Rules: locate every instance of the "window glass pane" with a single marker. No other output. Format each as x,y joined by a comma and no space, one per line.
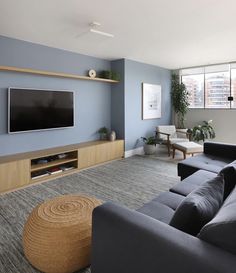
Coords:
217,90
233,87
195,88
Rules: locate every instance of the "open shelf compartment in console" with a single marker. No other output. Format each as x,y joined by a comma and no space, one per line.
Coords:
43,167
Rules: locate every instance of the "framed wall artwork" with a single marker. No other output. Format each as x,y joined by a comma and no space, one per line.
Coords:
151,101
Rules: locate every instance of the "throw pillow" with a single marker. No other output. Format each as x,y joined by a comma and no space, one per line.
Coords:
220,231
199,207
229,173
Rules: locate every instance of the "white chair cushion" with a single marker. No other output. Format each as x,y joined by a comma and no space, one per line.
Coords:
189,147
168,129
177,140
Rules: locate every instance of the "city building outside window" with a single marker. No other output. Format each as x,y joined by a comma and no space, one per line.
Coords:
233,87
195,87
210,86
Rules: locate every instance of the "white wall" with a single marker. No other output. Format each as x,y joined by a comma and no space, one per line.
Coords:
224,122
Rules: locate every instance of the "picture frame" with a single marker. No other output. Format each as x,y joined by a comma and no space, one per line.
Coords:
151,101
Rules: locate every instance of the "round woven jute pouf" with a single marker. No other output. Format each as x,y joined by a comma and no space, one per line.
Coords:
57,234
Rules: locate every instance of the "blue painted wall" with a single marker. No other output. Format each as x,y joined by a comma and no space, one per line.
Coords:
92,99
135,74
117,106
118,100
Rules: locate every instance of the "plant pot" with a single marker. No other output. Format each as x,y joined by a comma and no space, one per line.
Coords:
112,136
149,149
103,136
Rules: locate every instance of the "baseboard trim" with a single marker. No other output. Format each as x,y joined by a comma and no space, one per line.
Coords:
137,151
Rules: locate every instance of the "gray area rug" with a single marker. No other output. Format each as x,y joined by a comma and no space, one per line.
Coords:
130,182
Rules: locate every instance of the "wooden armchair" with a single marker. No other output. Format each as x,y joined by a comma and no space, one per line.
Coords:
170,135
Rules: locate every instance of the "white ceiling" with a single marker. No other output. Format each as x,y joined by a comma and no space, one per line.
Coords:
170,34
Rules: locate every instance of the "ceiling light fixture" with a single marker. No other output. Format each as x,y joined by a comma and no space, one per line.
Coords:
93,30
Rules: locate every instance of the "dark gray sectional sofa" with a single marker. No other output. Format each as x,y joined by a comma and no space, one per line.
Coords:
215,156
189,229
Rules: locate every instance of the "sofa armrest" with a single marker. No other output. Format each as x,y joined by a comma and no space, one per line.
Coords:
220,149
126,241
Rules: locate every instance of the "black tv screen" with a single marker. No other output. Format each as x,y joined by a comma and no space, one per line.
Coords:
35,109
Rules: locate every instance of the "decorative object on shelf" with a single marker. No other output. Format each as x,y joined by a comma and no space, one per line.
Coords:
149,145
202,131
106,74
42,161
111,75
61,156
103,133
115,76
92,73
112,136
57,234
151,101
179,96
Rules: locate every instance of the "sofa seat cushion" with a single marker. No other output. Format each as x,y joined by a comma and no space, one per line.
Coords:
170,199
192,182
229,173
199,207
221,230
201,162
158,211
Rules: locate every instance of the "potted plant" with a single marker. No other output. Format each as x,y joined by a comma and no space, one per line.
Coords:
103,133
202,131
179,96
106,74
149,145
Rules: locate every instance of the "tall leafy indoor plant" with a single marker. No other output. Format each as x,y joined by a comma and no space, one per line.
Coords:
179,96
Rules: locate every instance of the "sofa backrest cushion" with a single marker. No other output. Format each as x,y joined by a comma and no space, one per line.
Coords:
199,207
229,173
221,230
218,149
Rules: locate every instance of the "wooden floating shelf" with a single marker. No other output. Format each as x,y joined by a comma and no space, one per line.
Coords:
53,74
42,166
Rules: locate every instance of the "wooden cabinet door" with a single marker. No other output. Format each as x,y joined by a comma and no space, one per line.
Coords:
99,153
117,149
14,174
109,151
86,157
102,152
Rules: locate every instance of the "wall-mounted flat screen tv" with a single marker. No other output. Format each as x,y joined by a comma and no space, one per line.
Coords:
37,109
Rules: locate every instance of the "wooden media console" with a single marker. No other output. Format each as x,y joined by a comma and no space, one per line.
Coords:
24,169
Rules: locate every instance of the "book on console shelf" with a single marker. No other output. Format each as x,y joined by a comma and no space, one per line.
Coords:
55,170
65,168
37,175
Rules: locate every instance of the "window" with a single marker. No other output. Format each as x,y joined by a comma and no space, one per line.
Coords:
195,87
209,87
217,90
233,87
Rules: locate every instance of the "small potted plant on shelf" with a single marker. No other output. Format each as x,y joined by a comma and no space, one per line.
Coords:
149,145
103,133
108,74
202,131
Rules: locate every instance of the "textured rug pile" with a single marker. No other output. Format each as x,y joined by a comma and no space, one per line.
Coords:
130,182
